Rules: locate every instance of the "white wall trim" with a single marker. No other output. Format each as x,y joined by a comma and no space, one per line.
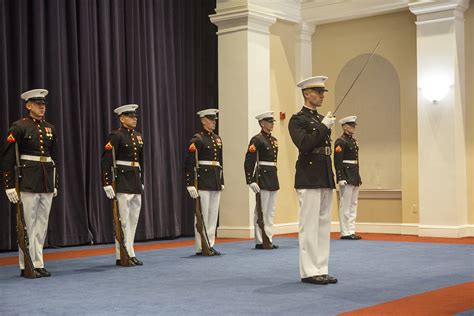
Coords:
381,228
446,231
412,229
235,232
248,231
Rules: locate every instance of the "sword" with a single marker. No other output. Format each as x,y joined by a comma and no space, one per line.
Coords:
357,77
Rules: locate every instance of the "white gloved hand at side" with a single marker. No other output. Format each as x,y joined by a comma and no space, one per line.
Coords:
342,182
254,186
192,192
329,120
12,195
109,191
55,192
222,187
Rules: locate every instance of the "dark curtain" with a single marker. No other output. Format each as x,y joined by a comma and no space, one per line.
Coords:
92,56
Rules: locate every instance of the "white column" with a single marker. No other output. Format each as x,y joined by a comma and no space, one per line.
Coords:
441,124
304,56
244,91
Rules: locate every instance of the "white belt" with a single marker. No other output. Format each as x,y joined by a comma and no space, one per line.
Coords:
209,163
267,163
128,163
36,158
354,162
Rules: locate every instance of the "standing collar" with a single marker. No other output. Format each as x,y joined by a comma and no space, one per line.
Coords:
309,110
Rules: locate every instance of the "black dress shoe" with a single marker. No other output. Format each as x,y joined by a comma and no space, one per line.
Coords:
43,272
117,262
198,253
317,279
330,279
136,261
37,275
215,252
350,237
260,246
356,237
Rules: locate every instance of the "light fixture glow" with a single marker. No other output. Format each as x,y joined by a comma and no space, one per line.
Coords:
435,89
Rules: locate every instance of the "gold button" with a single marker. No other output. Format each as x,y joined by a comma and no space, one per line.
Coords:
310,162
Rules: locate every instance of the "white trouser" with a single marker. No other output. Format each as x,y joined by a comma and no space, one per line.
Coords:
129,209
268,210
348,208
314,230
36,208
210,211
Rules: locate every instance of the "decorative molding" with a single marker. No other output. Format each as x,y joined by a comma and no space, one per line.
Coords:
428,7
324,11
440,11
304,31
241,20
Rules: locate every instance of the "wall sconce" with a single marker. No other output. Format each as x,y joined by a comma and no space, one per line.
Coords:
435,89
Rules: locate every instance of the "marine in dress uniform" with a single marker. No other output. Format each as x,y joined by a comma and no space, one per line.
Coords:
314,181
37,145
265,147
346,162
210,176
128,146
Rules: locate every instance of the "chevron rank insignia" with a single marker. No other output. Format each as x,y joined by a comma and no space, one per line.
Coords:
11,138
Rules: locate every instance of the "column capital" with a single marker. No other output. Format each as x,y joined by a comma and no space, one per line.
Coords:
304,31
438,10
242,19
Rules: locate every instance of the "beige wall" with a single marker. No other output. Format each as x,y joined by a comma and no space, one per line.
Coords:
282,99
337,43
469,34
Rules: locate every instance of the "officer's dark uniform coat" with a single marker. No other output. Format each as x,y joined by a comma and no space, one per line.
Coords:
128,145
313,139
209,147
346,148
267,148
35,138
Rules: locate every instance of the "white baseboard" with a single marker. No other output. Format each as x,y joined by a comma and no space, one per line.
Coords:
235,232
248,231
412,229
381,228
446,231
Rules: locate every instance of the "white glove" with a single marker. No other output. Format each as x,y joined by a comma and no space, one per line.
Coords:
143,187
342,182
329,120
222,187
12,195
55,192
192,192
109,191
254,186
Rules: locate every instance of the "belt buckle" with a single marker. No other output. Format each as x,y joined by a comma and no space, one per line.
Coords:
43,158
327,151
134,164
215,163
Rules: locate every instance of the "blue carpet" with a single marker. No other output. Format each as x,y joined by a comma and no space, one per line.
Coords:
242,281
